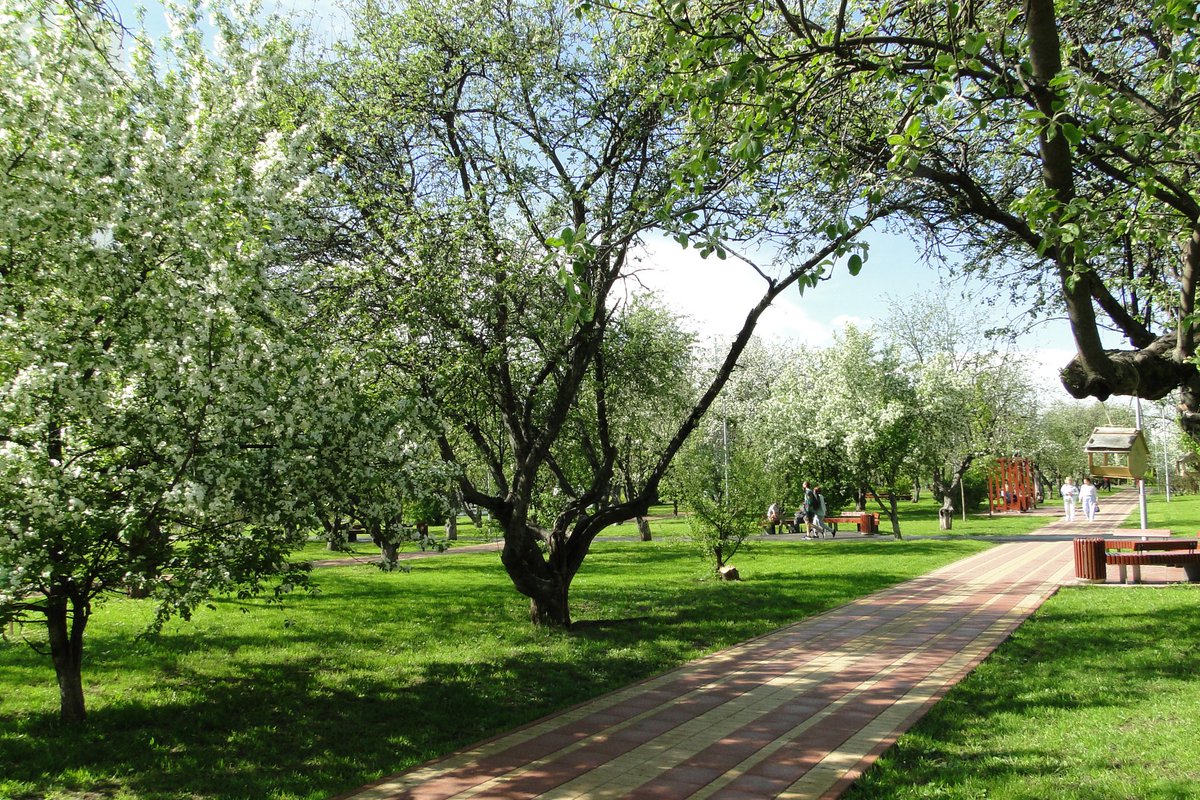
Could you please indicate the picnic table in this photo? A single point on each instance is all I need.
(1093, 556)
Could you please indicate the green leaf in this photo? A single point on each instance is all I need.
(974, 43)
(854, 264)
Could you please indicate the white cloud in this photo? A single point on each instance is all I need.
(842, 320)
(1044, 365)
(713, 296)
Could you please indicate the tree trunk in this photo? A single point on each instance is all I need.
(335, 534)
(386, 541)
(946, 512)
(643, 526)
(916, 498)
(894, 513)
(452, 527)
(550, 607)
(148, 551)
(66, 651)
(390, 551)
(544, 578)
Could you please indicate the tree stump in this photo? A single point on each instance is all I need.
(643, 526)
(729, 574)
(945, 518)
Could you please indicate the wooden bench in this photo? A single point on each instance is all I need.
(867, 522)
(1135, 553)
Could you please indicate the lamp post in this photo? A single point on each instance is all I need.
(725, 449)
(1141, 482)
(1166, 437)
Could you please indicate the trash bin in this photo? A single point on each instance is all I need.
(1089, 560)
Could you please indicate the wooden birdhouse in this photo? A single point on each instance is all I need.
(1117, 453)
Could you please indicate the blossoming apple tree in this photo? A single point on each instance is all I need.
(149, 387)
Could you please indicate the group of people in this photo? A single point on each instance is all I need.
(811, 515)
(1085, 494)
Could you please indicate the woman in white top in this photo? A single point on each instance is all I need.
(1070, 492)
(1087, 494)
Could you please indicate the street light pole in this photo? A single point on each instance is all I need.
(725, 447)
(1166, 435)
(1140, 481)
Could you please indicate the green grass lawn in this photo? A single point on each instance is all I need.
(1181, 514)
(1094, 698)
(379, 672)
(316, 549)
(916, 519)
(921, 519)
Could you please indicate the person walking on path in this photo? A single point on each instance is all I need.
(810, 509)
(1069, 492)
(819, 513)
(1087, 494)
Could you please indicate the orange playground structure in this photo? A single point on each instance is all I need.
(1011, 486)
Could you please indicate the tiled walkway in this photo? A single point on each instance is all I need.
(798, 713)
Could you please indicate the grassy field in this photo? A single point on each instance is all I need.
(921, 519)
(1097, 696)
(379, 671)
(1181, 514)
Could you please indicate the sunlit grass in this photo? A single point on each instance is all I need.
(379, 672)
(1181, 515)
(916, 519)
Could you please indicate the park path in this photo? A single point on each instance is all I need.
(797, 713)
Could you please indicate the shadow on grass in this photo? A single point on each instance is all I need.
(271, 731)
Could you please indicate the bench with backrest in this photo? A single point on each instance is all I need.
(866, 521)
(1137, 553)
